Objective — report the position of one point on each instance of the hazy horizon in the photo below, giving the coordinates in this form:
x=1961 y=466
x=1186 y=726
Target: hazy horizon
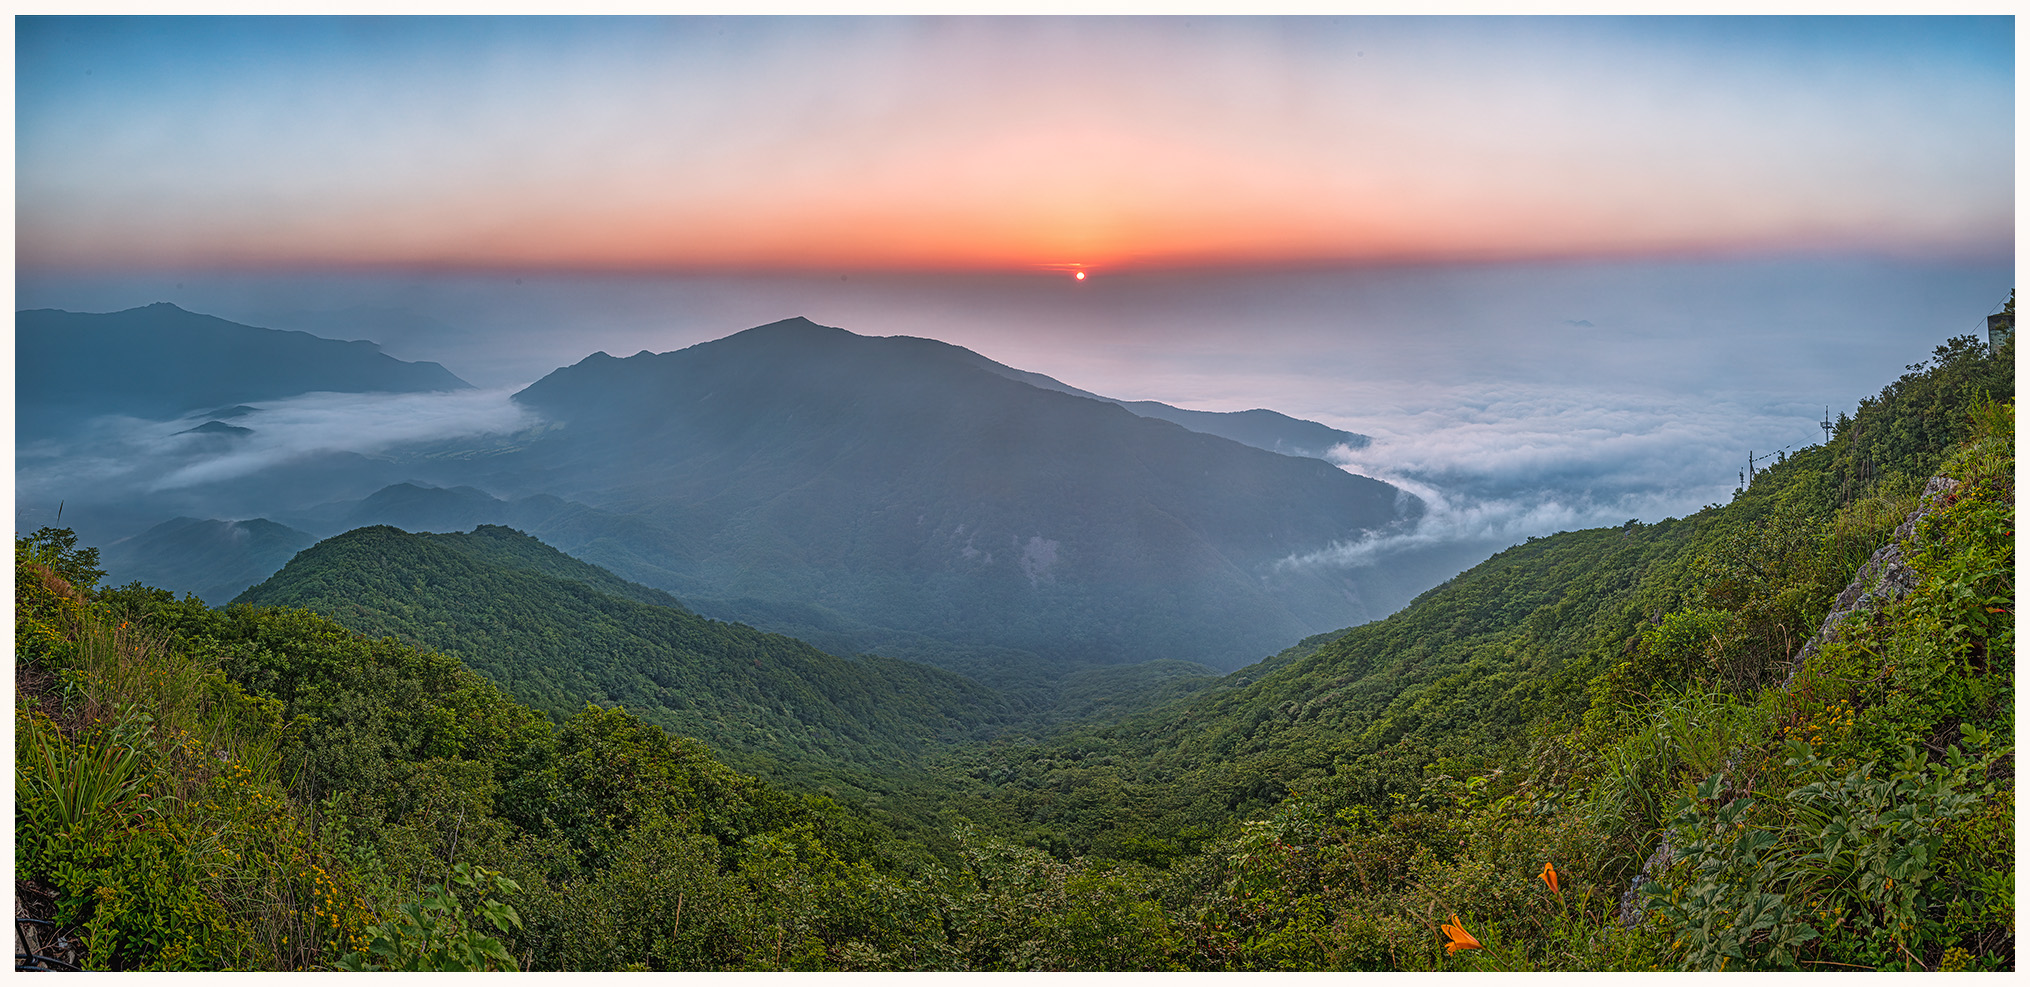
x=1517 y=400
x=1564 y=271
x=825 y=144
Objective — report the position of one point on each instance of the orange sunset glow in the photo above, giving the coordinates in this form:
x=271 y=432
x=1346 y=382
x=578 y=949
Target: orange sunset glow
x=1197 y=493
x=988 y=144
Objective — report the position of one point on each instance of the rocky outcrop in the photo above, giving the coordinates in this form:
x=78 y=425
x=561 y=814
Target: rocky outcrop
x=1883 y=579
x=1631 y=912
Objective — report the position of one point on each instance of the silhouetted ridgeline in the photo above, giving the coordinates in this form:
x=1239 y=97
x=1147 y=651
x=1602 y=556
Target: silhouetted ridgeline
x=159 y=361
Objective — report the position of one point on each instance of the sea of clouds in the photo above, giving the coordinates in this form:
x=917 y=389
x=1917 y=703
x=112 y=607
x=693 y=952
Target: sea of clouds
x=117 y=456
x=1515 y=400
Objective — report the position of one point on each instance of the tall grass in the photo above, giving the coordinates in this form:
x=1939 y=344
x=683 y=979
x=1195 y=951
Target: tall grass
x=60 y=786
x=1686 y=735
x=152 y=803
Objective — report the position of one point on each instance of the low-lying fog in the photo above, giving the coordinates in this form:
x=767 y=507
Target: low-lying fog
x=1517 y=399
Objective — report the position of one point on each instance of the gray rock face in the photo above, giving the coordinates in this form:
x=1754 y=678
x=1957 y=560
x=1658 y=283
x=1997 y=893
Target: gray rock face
x=1883 y=579
x=1631 y=912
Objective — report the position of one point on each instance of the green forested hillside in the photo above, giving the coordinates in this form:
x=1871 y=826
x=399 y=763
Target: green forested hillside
x=1587 y=700
x=1644 y=747
x=1456 y=677
x=261 y=789
x=557 y=634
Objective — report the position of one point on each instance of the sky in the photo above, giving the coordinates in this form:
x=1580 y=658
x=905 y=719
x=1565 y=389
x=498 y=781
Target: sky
x=1001 y=143
x=1564 y=271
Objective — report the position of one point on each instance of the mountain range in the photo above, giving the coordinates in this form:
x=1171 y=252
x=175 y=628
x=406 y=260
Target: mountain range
x=159 y=361
x=896 y=495
x=1775 y=734
x=896 y=482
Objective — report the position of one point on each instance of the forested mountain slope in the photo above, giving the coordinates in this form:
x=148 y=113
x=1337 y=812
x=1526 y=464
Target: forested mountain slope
x=1600 y=750
x=262 y=789
x=1456 y=678
x=1554 y=704
x=557 y=633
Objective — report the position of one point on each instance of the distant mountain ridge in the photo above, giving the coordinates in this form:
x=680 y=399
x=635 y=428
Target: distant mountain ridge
x=160 y=361
x=897 y=480
x=214 y=559
x=894 y=495
x=1258 y=427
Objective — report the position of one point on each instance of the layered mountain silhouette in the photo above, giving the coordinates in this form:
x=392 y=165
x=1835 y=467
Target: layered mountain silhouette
x=159 y=361
x=896 y=481
x=214 y=559
x=1258 y=427
x=892 y=495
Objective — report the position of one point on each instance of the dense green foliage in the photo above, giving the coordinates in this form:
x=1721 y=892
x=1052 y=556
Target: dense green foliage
x=1605 y=749
x=261 y=788
x=557 y=633
x=1456 y=677
x=1602 y=701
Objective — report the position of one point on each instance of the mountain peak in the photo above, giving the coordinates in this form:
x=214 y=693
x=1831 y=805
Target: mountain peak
x=779 y=339
x=795 y=325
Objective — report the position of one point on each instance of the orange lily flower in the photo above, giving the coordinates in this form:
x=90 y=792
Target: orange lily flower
x=1550 y=876
x=1460 y=938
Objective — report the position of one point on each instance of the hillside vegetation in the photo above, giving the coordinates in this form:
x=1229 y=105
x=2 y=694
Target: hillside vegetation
x=557 y=633
x=1632 y=748
x=1600 y=702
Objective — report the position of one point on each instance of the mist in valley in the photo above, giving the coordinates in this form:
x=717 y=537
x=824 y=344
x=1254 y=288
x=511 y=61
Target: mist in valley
x=1512 y=400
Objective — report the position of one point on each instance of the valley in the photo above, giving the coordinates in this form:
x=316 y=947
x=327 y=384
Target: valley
x=869 y=494
x=555 y=658
x=958 y=493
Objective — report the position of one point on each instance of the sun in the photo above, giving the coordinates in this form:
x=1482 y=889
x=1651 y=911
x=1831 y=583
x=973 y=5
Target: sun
x=1078 y=276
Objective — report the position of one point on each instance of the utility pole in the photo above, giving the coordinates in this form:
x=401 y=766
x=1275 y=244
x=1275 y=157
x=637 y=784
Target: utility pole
x=1827 y=424
x=1749 y=477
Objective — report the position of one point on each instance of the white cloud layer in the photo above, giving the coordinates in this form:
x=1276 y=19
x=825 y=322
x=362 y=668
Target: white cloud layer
x=1516 y=400
x=1501 y=465
x=121 y=454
